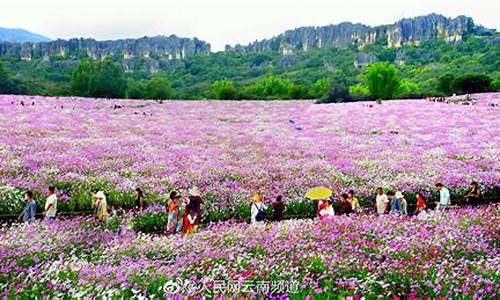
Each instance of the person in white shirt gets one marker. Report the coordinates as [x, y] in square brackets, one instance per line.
[257, 211]
[444, 196]
[381, 202]
[50, 204]
[326, 210]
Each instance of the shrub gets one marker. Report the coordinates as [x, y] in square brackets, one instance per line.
[224, 89]
[383, 80]
[473, 83]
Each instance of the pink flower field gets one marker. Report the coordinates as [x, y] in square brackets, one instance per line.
[448, 256]
[231, 149]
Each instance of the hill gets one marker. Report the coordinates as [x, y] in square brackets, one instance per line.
[295, 64]
[20, 36]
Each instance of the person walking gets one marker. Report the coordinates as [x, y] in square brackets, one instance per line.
[50, 204]
[257, 213]
[421, 206]
[395, 203]
[278, 209]
[326, 211]
[190, 219]
[356, 208]
[101, 206]
[29, 211]
[381, 202]
[139, 199]
[193, 206]
[345, 207]
[444, 197]
[173, 212]
[402, 202]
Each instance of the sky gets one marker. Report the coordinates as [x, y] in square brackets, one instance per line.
[220, 22]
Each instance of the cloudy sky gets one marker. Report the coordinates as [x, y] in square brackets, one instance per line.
[220, 22]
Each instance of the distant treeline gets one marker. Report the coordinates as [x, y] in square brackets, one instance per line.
[434, 68]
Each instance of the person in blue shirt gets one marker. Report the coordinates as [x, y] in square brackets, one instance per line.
[29, 210]
[395, 203]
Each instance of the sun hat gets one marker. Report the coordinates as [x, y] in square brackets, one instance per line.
[100, 195]
[256, 198]
[399, 195]
[194, 191]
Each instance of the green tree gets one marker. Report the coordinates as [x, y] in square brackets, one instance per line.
[224, 89]
[321, 87]
[158, 88]
[84, 79]
[6, 84]
[110, 81]
[338, 92]
[270, 88]
[297, 91]
[136, 89]
[98, 79]
[447, 84]
[408, 89]
[359, 91]
[495, 85]
[473, 83]
[383, 80]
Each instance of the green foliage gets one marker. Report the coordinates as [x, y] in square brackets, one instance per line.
[6, 84]
[98, 79]
[267, 75]
[338, 92]
[495, 85]
[359, 91]
[150, 222]
[136, 89]
[408, 89]
[321, 87]
[382, 80]
[158, 88]
[224, 90]
[473, 83]
[447, 84]
[270, 88]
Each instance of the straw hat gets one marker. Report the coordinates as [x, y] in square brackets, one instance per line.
[399, 195]
[100, 195]
[194, 191]
[256, 198]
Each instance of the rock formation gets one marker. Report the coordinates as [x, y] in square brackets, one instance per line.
[159, 47]
[406, 31]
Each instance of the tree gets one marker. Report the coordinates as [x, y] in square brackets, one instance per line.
[270, 88]
[84, 78]
[99, 79]
[158, 88]
[136, 89]
[111, 81]
[224, 89]
[6, 84]
[359, 92]
[321, 87]
[408, 89]
[297, 91]
[383, 80]
[338, 92]
[473, 83]
[446, 84]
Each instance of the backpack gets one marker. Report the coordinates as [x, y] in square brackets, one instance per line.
[260, 214]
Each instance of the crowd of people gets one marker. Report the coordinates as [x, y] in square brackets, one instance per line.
[184, 213]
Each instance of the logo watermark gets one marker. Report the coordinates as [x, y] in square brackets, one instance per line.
[220, 287]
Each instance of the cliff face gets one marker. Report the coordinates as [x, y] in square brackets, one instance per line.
[160, 47]
[403, 32]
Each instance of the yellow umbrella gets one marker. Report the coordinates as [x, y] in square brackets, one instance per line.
[319, 193]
